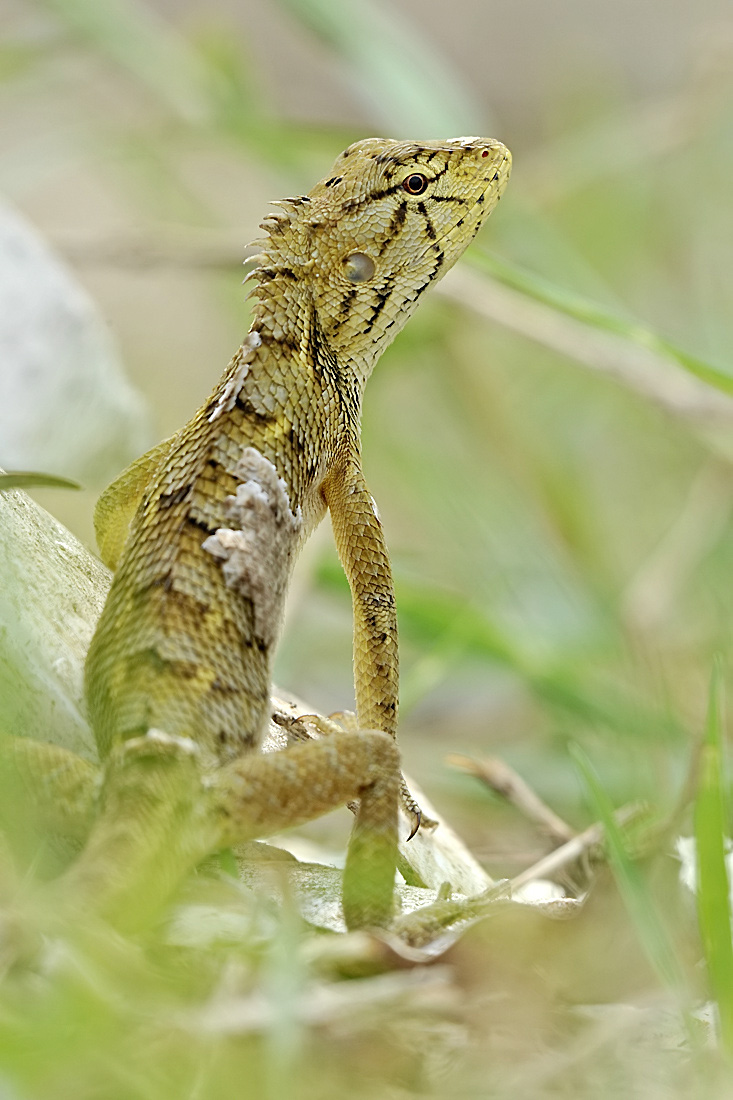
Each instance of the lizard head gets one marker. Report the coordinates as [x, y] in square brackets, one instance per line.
[386, 223]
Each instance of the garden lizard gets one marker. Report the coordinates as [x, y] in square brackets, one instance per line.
[202, 533]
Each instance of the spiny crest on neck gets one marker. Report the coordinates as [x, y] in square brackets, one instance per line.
[276, 272]
[282, 244]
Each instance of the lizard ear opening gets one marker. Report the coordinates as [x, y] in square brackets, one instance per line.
[358, 267]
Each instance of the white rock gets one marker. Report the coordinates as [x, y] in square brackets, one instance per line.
[65, 405]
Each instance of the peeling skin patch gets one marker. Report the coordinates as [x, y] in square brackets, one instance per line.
[235, 382]
[256, 552]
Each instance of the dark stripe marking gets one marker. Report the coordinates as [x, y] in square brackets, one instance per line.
[177, 496]
[346, 303]
[354, 204]
[398, 218]
[321, 355]
[383, 294]
[395, 227]
[201, 524]
[449, 198]
[429, 227]
[247, 408]
[439, 257]
[269, 341]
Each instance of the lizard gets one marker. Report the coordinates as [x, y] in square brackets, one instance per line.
[202, 533]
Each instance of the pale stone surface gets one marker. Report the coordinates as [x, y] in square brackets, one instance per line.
[65, 404]
[51, 595]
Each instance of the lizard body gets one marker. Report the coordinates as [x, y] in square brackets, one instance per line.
[178, 672]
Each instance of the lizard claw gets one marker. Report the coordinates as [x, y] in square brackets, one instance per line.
[417, 818]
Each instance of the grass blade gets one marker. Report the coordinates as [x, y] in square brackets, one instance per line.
[713, 887]
[653, 935]
[596, 316]
[21, 479]
[409, 85]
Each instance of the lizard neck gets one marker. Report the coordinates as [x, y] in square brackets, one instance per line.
[294, 307]
[286, 387]
[288, 321]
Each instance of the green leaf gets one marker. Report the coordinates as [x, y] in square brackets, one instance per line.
[21, 479]
[713, 886]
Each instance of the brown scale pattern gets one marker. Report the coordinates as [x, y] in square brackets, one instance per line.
[176, 649]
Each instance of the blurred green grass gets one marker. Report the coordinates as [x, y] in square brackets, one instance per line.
[562, 543]
[713, 880]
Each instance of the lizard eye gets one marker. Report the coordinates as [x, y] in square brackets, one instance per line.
[358, 267]
[415, 184]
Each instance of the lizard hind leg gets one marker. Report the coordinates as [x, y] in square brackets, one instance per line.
[260, 794]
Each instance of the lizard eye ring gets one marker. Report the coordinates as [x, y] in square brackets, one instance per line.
[415, 184]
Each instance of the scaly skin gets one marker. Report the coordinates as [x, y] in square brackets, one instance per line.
[178, 672]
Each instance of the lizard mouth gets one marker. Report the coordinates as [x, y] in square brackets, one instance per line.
[495, 186]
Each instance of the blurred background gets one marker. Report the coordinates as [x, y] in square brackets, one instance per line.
[552, 476]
